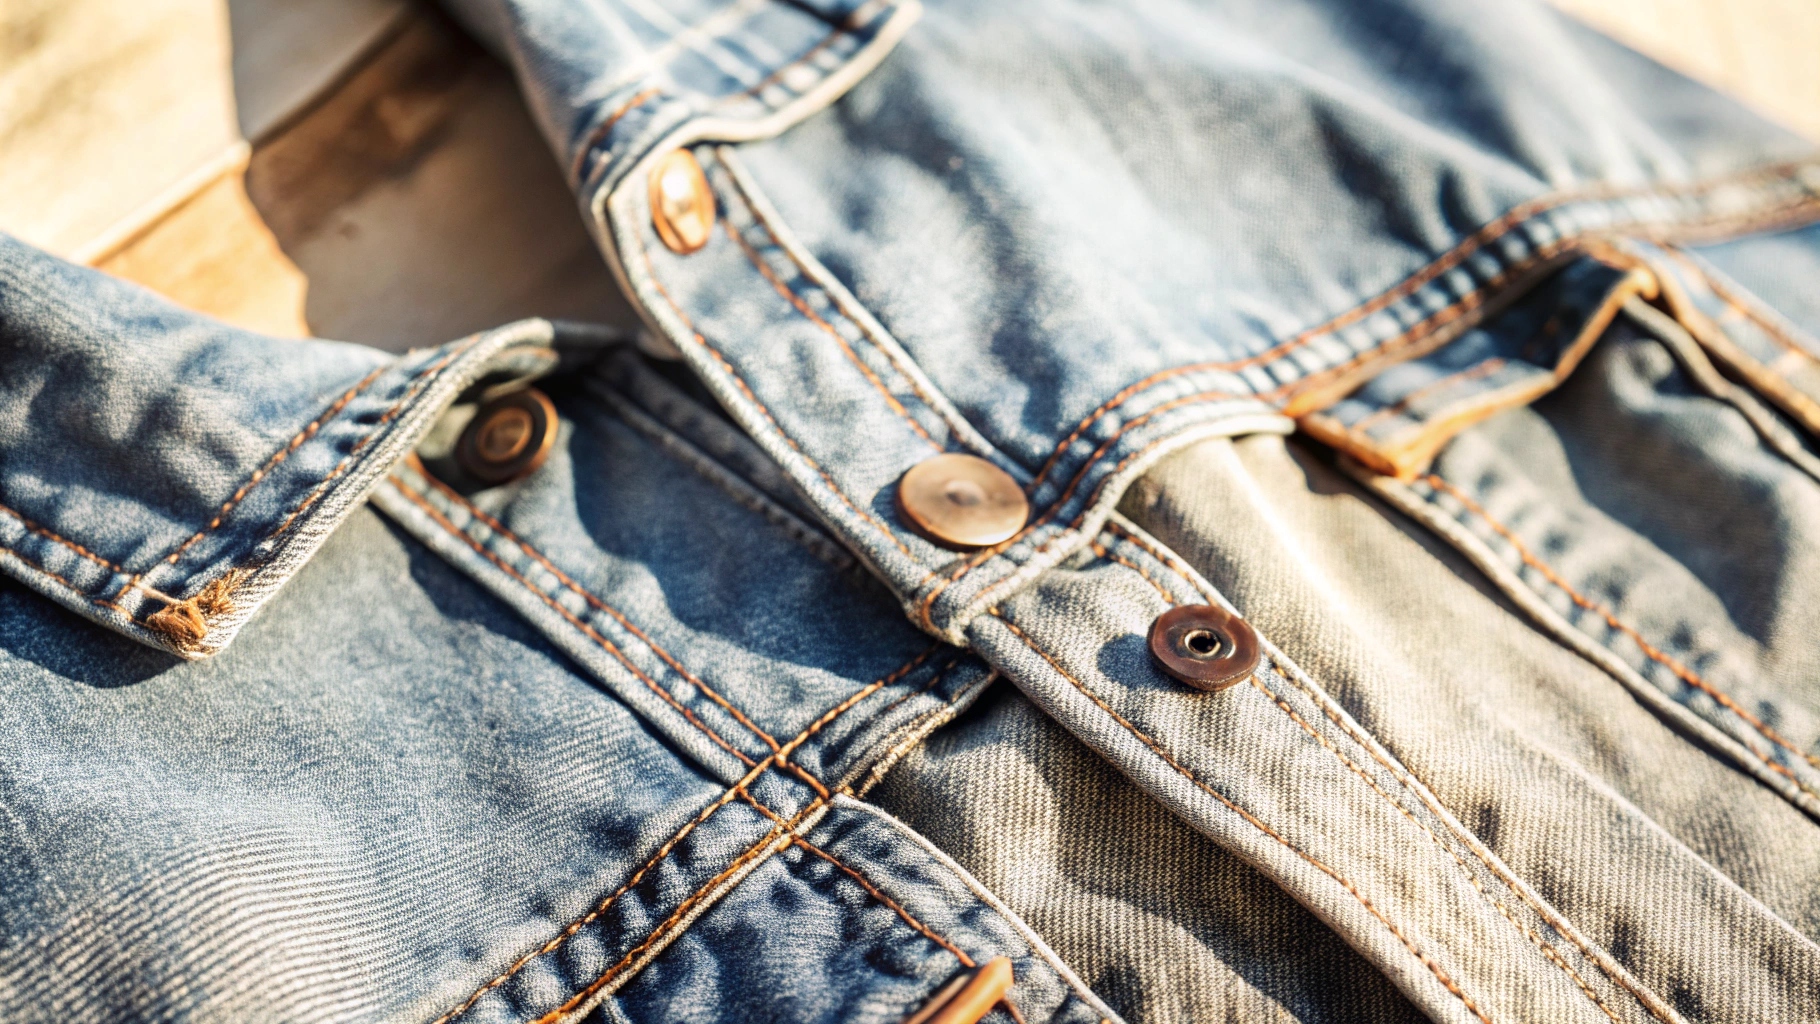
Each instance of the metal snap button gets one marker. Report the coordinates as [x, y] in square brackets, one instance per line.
[962, 501]
[682, 205]
[1205, 646]
[508, 438]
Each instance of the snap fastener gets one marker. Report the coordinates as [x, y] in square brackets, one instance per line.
[682, 204]
[969, 997]
[962, 501]
[508, 438]
[1205, 646]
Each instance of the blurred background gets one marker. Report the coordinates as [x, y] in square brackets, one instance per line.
[358, 169]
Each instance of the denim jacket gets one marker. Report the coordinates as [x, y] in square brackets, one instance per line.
[309, 728]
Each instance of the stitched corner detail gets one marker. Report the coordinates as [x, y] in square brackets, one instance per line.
[1423, 796]
[927, 932]
[1680, 671]
[186, 627]
[770, 843]
[783, 752]
[186, 621]
[600, 908]
[1162, 753]
[872, 890]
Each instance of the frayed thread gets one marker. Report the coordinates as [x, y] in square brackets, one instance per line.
[185, 622]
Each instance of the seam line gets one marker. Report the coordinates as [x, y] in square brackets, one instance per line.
[834, 301]
[756, 850]
[757, 770]
[1547, 949]
[745, 389]
[1407, 402]
[1403, 777]
[1516, 217]
[927, 932]
[589, 631]
[1160, 751]
[600, 908]
[595, 602]
[1682, 672]
[790, 295]
[600, 132]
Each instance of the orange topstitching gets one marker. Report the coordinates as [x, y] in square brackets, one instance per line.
[1408, 401]
[1402, 777]
[1447, 261]
[419, 379]
[888, 351]
[1160, 751]
[763, 847]
[600, 131]
[757, 770]
[1681, 671]
[497, 527]
[795, 300]
[745, 389]
[589, 631]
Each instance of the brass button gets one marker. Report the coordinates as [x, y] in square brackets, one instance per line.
[682, 205]
[508, 438]
[969, 997]
[1205, 646]
[962, 501]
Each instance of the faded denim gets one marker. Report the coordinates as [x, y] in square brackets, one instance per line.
[1533, 738]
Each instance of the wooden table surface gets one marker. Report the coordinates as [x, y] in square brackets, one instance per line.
[357, 169]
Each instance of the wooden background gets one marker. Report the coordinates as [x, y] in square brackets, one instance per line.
[357, 169]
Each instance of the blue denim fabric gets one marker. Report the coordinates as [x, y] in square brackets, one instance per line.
[614, 764]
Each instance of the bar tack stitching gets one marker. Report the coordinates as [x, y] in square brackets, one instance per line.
[1160, 751]
[1685, 674]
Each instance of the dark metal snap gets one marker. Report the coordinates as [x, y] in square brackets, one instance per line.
[682, 204]
[1205, 646]
[962, 501]
[508, 438]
